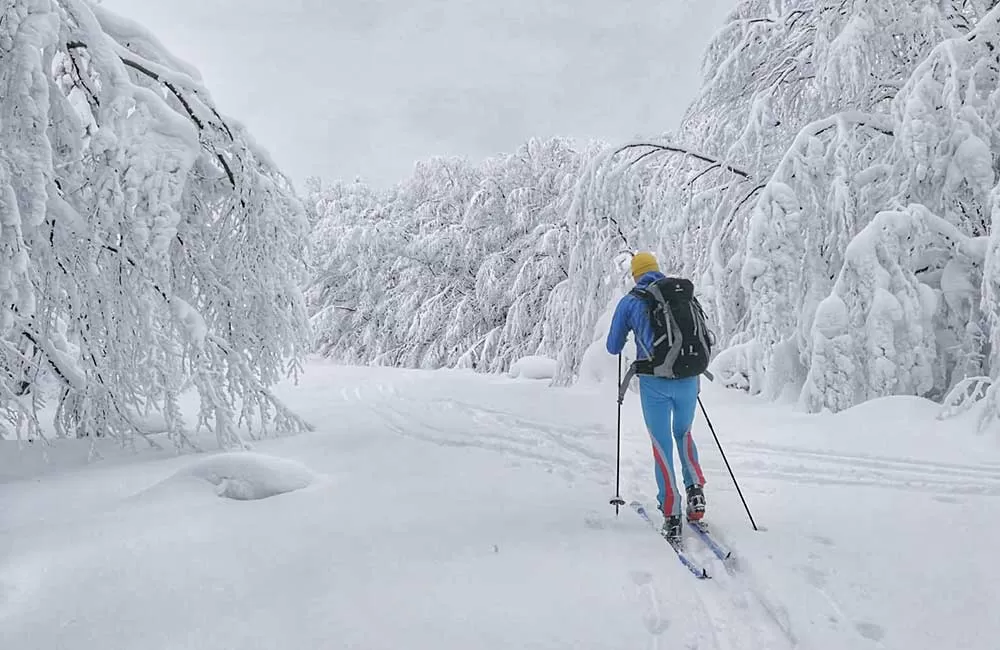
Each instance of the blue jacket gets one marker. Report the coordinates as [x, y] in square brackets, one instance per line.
[632, 315]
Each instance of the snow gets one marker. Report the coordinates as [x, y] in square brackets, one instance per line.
[973, 162]
[956, 285]
[194, 324]
[832, 318]
[839, 226]
[596, 365]
[244, 476]
[452, 510]
[533, 367]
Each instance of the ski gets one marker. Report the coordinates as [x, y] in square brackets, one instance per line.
[701, 528]
[699, 572]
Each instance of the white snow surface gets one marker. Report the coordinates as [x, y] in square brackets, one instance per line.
[447, 509]
[243, 476]
[533, 367]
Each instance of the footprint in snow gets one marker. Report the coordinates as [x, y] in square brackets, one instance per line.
[814, 576]
[870, 631]
[655, 624]
[641, 578]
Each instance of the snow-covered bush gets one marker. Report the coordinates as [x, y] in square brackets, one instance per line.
[147, 244]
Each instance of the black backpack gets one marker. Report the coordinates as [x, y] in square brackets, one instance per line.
[682, 342]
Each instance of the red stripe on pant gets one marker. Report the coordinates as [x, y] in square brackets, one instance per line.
[668, 481]
[693, 460]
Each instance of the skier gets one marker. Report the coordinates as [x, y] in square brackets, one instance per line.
[668, 402]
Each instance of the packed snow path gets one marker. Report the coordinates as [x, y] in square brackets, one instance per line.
[449, 510]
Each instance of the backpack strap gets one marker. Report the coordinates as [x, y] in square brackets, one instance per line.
[640, 293]
[661, 301]
[652, 296]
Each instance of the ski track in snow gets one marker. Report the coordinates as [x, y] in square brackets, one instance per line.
[566, 447]
[801, 465]
[734, 614]
[780, 592]
[735, 609]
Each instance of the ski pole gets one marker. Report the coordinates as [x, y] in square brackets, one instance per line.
[725, 460]
[618, 501]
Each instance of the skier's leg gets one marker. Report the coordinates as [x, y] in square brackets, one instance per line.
[685, 397]
[685, 392]
[656, 409]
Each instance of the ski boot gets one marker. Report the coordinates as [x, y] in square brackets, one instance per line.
[695, 503]
[672, 529]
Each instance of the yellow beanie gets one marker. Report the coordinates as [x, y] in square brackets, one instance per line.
[643, 263]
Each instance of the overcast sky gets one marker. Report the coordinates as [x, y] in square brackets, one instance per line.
[340, 89]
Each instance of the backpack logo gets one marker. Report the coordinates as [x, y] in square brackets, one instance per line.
[682, 342]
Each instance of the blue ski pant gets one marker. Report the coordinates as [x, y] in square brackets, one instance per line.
[668, 407]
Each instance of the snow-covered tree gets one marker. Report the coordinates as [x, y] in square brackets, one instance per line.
[874, 335]
[810, 123]
[453, 266]
[832, 191]
[900, 149]
[148, 244]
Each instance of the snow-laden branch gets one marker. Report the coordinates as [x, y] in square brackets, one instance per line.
[873, 335]
[145, 243]
[148, 69]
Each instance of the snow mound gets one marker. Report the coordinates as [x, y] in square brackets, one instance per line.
[246, 476]
[533, 367]
[907, 412]
[596, 365]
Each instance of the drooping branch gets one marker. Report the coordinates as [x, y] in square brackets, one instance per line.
[702, 173]
[138, 67]
[736, 209]
[666, 148]
[88, 91]
[621, 234]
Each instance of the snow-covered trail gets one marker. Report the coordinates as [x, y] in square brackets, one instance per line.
[455, 510]
[517, 421]
[855, 507]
